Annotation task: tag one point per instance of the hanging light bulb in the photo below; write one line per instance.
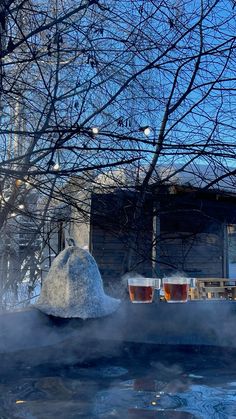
(21, 206)
(147, 131)
(95, 130)
(56, 166)
(18, 182)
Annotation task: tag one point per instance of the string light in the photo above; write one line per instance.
(56, 166)
(146, 130)
(95, 130)
(21, 206)
(18, 182)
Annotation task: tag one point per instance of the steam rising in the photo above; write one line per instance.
(33, 338)
(124, 282)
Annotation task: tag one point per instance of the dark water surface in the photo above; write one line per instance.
(144, 382)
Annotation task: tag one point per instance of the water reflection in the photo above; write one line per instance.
(198, 401)
(152, 386)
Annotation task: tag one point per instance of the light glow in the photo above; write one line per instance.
(56, 166)
(147, 131)
(18, 182)
(95, 130)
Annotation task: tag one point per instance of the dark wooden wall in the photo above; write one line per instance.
(191, 243)
(192, 237)
(110, 234)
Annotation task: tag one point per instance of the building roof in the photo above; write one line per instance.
(193, 176)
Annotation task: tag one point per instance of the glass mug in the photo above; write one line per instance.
(141, 290)
(176, 289)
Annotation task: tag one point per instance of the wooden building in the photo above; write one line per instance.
(182, 229)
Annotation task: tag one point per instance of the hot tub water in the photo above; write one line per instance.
(142, 383)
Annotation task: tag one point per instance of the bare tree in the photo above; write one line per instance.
(92, 86)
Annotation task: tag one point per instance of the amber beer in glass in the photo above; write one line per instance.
(176, 289)
(141, 290)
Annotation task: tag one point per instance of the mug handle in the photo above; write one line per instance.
(157, 283)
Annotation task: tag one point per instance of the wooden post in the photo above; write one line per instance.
(156, 239)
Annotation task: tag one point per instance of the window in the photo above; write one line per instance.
(61, 236)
